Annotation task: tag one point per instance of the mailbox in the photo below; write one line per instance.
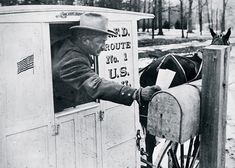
(174, 113)
(98, 134)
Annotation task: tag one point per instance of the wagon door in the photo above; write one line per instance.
(27, 98)
(78, 142)
(119, 122)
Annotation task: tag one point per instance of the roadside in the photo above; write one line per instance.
(230, 130)
(171, 42)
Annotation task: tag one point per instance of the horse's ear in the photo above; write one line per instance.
(212, 32)
(227, 35)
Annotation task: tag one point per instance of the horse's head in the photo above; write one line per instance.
(220, 39)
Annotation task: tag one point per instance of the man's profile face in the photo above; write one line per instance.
(97, 44)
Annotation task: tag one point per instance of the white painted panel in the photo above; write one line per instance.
(116, 62)
(78, 143)
(89, 141)
(1, 118)
(122, 155)
(26, 112)
(1, 153)
(60, 13)
(89, 134)
(119, 125)
(26, 90)
(65, 145)
(28, 149)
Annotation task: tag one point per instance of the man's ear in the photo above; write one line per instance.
(213, 34)
(85, 41)
(227, 35)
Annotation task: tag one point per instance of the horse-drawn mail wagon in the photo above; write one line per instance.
(97, 134)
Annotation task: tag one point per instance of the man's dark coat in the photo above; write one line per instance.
(75, 82)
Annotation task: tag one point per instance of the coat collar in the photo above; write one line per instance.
(71, 46)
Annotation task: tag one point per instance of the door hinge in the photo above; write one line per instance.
(101, 115)
(55, 129)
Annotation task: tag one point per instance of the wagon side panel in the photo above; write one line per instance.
(27, 113)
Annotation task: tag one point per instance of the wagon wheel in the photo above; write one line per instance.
(177, 158)
(175, 155)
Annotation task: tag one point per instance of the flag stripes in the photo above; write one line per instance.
(25, 64)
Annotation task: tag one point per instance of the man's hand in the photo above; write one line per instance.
(145, 94)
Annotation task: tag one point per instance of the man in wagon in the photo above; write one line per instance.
(75, 82)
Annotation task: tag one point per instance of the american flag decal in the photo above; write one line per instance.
(25, 64)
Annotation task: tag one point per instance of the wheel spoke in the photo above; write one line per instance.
(195, 157)
(147, 162)
(189, 153)
(182, 155)
(162, 153)
(174, 158)
(177, 159)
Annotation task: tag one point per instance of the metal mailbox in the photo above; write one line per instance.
(174, 113)
(93, 135)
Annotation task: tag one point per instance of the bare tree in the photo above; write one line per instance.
(135, 6)
(130, 5)
(182, 18)
(144, 21)
(89, 2)
(149, 6)
(208, 14)
(223, 15)
(212, 14)
(200, 15)
(217, 20)
(190, 19)
(160, 32)
(155, 18)
(101, 3)
(169, 14)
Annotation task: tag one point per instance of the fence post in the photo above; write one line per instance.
(214, 106)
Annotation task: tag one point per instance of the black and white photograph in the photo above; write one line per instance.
(117, 84)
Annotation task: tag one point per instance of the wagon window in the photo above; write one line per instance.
(64, 94)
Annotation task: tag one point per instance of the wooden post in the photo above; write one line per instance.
(213, 106)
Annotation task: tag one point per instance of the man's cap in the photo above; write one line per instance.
(95, 22)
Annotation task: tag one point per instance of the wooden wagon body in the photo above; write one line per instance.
(98, 134)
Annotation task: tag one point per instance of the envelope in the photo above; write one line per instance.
(165, 77)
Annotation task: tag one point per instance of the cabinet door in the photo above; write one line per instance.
(78, 143)
(118, 136)
(66, 140)
(90, 138)
(27, 98)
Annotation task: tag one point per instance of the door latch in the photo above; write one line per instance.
(55, 129)
(101, 115)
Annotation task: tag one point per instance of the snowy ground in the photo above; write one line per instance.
(230, 142)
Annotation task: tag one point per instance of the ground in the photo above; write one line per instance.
(230, 138)
(172, 42)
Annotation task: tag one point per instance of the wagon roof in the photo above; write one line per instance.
(50, 13)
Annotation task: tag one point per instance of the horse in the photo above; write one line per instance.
(187, 68)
